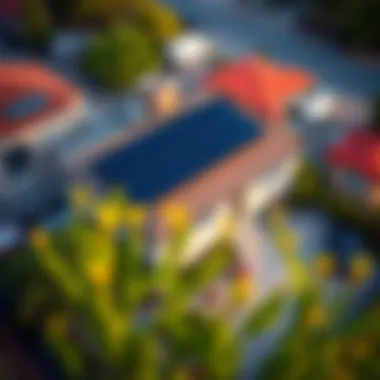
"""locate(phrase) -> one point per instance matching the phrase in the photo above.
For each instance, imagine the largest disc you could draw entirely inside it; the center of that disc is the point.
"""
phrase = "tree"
(36, 24)
(159, 22)
(109, 313)
(352, 22)
(119, 56)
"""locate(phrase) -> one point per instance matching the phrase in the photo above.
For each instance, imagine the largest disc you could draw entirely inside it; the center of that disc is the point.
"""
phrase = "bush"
(109, 313)
(117, 57)
(36, 25)
(159, 22)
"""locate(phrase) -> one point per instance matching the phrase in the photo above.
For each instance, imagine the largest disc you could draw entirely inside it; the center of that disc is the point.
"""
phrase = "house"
(355, 166)
(261, 86)
(37, 110)
(212, 158)
(36, 106)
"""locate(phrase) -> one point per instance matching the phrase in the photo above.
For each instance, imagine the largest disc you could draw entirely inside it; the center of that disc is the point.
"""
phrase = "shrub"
(118, 57)
(107, 310)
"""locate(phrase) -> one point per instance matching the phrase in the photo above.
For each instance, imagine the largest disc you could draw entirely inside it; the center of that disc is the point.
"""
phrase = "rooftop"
(178, 151)
(30, 95)
(260, 85)
(359, 152)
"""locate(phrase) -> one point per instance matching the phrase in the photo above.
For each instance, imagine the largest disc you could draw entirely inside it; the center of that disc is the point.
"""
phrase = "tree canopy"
(353, 22)
(117, 57)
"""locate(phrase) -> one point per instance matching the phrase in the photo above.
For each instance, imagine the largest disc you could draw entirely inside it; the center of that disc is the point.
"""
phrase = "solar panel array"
(178, 151)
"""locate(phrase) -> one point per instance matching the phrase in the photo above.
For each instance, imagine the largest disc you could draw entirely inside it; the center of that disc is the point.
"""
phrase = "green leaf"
(366, 324)
(266, 315)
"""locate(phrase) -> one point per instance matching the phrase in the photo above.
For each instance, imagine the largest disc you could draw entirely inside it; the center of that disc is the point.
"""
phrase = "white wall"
(260, 194)
(269, 187)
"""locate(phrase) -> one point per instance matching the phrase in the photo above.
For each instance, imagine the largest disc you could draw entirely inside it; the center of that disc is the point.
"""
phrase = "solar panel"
(178, 151)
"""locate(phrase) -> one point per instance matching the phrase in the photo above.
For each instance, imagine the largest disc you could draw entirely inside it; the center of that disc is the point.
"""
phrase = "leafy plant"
(324, 339)
(118, 57)
(109, 312)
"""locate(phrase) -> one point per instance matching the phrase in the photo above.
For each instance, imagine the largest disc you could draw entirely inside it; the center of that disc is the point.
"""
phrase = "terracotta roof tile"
(20, 80)
(260, 85)
(359, 152)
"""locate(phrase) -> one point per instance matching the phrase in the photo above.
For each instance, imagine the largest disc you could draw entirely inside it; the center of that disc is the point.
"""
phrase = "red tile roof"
(359, 152)
(18, 80)
(260, 85)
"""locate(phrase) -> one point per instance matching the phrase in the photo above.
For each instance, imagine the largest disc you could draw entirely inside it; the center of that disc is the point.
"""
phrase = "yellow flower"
(39, 238)
(316, 316)
(108, 216)
(80, 196)
(243, 289)
(57, 324)
(360, 268)
(99, 273)
(135, 216)
(176, 216)
(324, 265)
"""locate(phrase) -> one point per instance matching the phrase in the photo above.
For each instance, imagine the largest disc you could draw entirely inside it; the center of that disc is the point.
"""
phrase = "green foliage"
(159, 22)
(36, 23)
(268, 314)
(99, 299)
(353, 22)
(321, 341)
(119, 56)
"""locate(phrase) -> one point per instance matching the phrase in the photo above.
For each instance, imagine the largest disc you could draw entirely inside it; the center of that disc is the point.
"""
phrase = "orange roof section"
(260, 85)
(22, 79)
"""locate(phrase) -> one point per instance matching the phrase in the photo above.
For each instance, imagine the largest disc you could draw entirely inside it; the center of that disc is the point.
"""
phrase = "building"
(261, 86)
(355, 166)
(37, 110)
(36, 106)
(212, 158)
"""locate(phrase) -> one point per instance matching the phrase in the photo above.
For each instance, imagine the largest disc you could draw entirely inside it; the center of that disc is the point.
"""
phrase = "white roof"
(319, 104)
(189, 48)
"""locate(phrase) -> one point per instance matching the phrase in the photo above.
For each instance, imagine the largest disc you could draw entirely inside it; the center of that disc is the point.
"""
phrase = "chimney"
(162, 96)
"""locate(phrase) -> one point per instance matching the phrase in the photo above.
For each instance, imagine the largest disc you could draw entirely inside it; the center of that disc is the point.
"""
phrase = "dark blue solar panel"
(178, 151)
(26, 106)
